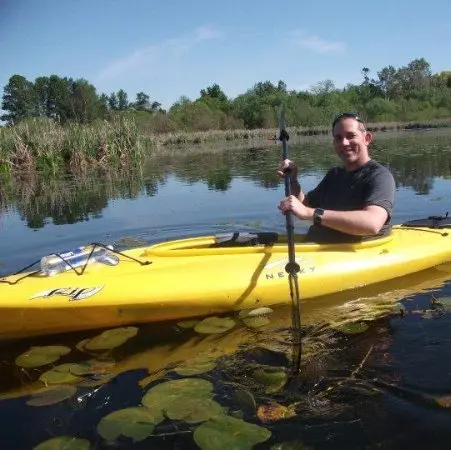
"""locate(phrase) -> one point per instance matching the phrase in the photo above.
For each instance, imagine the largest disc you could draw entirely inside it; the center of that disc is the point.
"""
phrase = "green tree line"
(408, 93)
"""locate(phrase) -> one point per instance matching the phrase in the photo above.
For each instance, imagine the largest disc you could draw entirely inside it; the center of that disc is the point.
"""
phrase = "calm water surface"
(386, 387)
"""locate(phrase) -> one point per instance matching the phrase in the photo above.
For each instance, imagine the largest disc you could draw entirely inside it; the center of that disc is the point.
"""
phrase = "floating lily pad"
(136, 423)
(225, 433)
(64, 443)
(162, 396)
(351, 327)
(186, 324)
(111, 338)
(274, 378)
(245, 400)
(215, 325)
(256, 322)
(274, 412)
(41, 356)
(52, 395)
(92, 367)
(197, 366)
(194, 410)
(445, 302)
(60, 374)
(257, 312)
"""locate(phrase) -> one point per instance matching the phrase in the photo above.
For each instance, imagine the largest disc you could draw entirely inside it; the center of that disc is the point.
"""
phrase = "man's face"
(351, 142)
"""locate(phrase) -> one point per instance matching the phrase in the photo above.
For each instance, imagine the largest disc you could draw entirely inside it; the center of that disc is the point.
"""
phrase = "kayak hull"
(194, 277)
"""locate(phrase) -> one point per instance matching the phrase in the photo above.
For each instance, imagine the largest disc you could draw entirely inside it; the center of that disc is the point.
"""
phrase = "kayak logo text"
(76, 293)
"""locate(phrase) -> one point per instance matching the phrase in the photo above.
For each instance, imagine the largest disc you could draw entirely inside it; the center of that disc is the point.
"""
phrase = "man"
(352, 202)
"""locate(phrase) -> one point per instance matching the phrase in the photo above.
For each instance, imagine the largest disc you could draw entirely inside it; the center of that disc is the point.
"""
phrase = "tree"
(84, 101)
(142, 102)
(19, 100)
(122, 101)
(112, 101)
(388, 82)
(366, 78)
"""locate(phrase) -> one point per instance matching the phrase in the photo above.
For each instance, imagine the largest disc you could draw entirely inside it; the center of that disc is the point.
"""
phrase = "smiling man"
(352, 202)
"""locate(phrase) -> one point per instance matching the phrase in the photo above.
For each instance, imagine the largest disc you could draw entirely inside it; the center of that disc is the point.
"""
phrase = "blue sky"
(170, 48)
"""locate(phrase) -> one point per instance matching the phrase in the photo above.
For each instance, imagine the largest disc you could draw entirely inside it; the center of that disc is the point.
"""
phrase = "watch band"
(318, 216)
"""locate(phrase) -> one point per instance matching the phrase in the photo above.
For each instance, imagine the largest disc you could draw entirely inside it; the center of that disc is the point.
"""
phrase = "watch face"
(317, 215)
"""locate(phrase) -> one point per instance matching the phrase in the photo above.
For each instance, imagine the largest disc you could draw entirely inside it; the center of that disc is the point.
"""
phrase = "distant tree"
(156, 106)
(281, 86)
(19, 100)
(103, 106)
(366, 78)
(388, 82)
(84, 101)
(112, 101)
(122, 101)
(142, 102)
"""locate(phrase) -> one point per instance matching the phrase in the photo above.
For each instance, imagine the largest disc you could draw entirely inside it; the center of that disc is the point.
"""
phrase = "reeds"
(42, 144)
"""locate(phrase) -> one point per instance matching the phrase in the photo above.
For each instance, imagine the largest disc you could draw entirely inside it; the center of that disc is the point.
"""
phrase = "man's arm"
(365, 222)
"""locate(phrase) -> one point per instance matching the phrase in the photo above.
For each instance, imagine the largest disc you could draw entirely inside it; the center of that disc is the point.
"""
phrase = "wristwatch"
(318, 216)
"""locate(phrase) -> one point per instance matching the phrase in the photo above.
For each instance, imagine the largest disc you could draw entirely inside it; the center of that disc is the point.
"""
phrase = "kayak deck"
(196, 276)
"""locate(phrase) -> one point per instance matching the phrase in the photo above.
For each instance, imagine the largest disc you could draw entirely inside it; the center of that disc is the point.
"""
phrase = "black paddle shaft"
(292, 267)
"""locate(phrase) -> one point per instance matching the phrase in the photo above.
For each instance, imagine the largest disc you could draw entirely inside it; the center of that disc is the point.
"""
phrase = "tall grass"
(42, 144)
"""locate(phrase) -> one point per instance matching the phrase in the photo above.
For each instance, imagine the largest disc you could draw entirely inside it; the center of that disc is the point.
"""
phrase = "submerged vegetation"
(54, 123)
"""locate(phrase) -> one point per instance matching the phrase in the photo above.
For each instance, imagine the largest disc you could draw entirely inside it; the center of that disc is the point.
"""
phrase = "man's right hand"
(288, 166)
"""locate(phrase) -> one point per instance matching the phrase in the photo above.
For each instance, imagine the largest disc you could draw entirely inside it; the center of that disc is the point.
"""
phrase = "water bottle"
(52, 264)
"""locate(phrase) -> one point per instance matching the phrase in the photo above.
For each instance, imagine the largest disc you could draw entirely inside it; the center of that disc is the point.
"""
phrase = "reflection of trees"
(219, 179)
(415, 161)
(38, 198)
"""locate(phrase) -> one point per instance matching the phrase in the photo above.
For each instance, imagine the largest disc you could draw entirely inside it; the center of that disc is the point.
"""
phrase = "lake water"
(386, 387)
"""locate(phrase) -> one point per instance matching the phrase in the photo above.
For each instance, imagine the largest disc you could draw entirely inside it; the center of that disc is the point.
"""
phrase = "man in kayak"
(352, 202)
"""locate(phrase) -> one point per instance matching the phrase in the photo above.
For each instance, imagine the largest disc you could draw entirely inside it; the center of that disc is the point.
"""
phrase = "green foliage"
(57, 121)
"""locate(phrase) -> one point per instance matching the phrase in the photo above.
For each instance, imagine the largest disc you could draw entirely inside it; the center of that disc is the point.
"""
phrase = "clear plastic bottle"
(52, 264)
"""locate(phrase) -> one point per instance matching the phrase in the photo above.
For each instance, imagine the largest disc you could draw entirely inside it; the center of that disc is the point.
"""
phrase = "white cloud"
(315, 43)
(141, 58)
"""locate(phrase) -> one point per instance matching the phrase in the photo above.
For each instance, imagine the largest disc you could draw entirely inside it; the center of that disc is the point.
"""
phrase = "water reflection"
(416, 161)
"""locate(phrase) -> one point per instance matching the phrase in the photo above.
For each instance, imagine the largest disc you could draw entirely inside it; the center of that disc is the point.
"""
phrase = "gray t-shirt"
(340, 190)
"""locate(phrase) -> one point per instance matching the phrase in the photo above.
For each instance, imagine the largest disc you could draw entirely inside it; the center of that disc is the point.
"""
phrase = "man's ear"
(368, 137)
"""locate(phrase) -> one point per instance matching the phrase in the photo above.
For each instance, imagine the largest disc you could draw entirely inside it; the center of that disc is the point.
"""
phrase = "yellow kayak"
(209, 275)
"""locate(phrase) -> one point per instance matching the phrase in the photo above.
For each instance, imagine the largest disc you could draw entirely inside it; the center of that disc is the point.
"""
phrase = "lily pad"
(351, 327)
(41, 356)
(194, 410)
(136, 423)
(225, 433)
(162, 396)
(197, 366)
(256, 322)
(53, 395)
(257, 312)
(245, 400)
(111, 338)
(64, 443)
(215, 325)
(92, 367)
(186, 324)
(59, 375)
(274, 378)
(445, 302)
(274, 412)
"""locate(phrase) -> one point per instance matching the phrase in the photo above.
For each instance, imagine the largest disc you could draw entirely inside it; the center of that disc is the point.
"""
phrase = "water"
(387, 387)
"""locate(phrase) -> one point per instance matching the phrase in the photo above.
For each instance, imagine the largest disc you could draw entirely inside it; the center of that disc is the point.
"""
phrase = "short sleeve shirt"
(342, 190)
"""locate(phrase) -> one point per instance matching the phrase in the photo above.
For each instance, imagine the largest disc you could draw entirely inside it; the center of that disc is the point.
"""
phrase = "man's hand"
(294, 205)
(287, 166)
